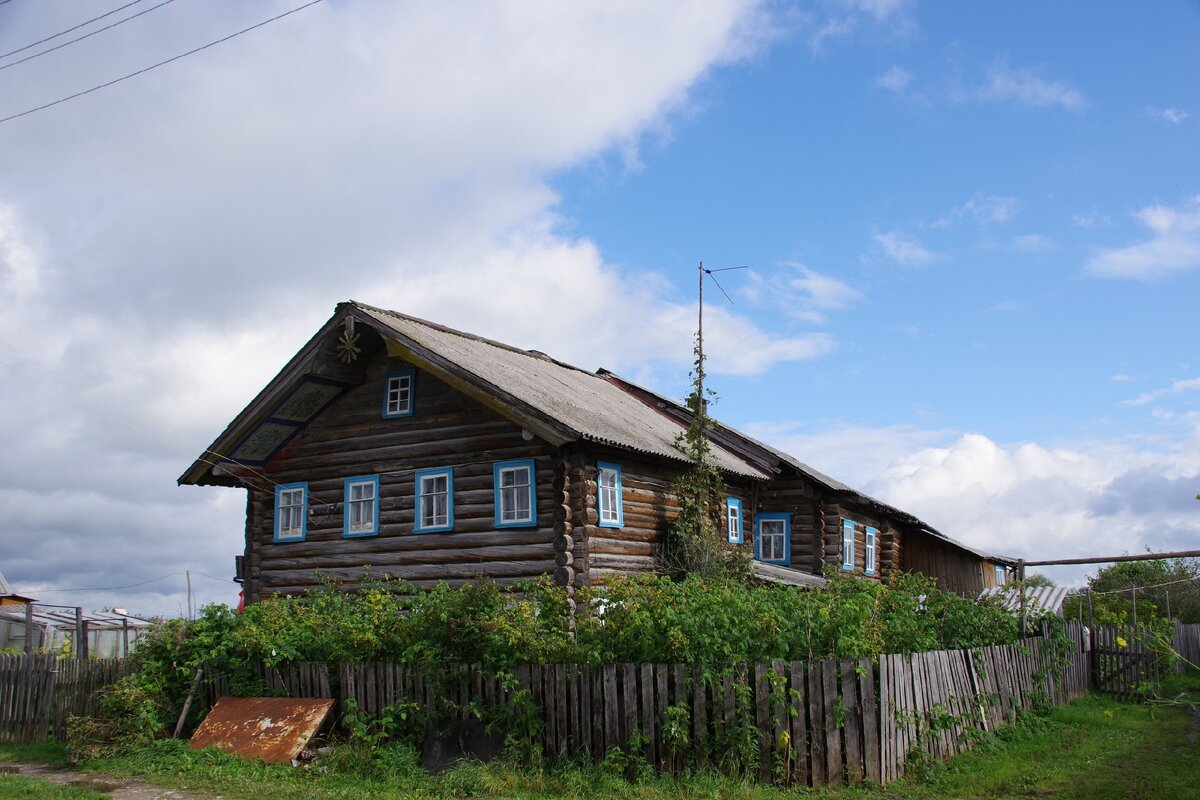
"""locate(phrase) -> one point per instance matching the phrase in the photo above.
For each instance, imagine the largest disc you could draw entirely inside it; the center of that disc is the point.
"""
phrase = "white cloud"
(1091, 220)
(1031, 243)
(800, 292)
(1024, 87)
(166, 244)
(1178, 387)
(1121, 377)
(1173, 246)
(1095, 497)
(1171, 115)
(896, 79)
(904, 249)
(990, 208)
(1031, 500)
(835, 19)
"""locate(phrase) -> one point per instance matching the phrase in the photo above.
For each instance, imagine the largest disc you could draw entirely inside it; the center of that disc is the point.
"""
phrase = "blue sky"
(973, 233)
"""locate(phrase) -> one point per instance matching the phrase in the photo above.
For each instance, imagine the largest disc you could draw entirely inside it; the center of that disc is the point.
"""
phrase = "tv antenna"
(700, 326)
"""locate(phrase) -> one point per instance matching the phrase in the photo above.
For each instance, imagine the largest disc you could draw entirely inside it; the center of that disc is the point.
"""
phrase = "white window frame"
(761, 537)
(848, 544)
(353, 506)
(291, 506)
(734, 522)
(421, 497)
(870, 549)
(609, 495)
(504, 496)
(401, 383)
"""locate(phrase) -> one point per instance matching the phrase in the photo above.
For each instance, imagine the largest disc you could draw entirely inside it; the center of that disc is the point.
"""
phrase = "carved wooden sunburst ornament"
(348, 348)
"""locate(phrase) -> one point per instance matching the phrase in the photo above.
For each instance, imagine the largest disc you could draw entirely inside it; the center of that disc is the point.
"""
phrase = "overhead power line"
(70, 42)
(159, 64)
(68, 30)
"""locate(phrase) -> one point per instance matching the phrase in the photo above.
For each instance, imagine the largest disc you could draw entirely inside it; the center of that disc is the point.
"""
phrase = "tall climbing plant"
(695, 543)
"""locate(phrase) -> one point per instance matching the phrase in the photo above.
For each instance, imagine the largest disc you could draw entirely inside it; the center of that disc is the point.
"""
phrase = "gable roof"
(554, 400)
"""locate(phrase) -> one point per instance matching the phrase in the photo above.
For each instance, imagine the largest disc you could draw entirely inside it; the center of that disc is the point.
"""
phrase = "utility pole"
(189, 585)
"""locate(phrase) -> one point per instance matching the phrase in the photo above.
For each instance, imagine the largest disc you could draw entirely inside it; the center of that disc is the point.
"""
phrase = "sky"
(972, 234)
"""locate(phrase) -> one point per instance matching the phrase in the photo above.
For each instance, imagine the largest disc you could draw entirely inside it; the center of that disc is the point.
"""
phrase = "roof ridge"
(537, 354)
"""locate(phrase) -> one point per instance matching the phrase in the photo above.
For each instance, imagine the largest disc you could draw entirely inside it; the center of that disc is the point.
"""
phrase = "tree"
(1159, 584)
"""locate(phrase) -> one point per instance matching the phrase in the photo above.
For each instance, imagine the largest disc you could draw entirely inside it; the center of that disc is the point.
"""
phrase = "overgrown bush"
(132, 713)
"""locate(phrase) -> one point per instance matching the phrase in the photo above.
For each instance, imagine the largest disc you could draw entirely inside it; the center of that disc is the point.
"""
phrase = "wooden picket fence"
(39, 692)
(27, 686)
(804, 723)
(1124, 663)
(812, 724)
(1186, 642)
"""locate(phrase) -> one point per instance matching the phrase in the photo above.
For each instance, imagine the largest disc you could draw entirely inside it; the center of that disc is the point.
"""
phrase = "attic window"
(733, 520)
(291, 507)
(515, 495)
(869, 549)
(434, 512)
(398, 394)
(848, 544)
(361, 506)
(608, 495)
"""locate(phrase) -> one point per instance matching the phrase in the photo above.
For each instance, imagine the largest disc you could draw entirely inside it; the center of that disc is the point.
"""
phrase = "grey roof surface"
(1046, 598)
(593, 407)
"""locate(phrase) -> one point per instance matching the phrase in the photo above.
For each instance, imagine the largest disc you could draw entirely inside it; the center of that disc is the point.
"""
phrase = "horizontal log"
(622, 562)
(529, 569)
(475, 555)
(417, 543)
(603, 546)
(564, 559)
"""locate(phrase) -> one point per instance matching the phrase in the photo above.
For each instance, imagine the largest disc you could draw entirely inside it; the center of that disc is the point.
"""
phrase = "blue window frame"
(291, 512)
(398, 393)
(360, 506)
(1001, 575)
(848, 544)
(609, 503)
(433, 510)
(515, 493)
(773, 538)
(733, 520)
(869, 548)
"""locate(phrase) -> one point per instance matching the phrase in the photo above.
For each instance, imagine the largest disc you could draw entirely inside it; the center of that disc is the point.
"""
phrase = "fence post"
(29, 629)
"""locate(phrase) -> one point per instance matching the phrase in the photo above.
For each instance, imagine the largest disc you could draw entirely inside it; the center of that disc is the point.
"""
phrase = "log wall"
(350, 438)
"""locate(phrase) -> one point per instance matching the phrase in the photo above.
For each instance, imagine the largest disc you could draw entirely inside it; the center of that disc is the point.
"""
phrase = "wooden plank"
(834, 760)
(679, 699)
(649, 729)
(798, 691)
(629, 704)
(562, 714)
(612, 722)
(852, 729)
(870, 721)
(816, 724)
(584, 689)
(665, 762)
(762, 721)
(699, 716)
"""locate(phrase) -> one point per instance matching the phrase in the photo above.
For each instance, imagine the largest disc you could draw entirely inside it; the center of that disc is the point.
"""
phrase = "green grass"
(1095, 748)
(18, 787)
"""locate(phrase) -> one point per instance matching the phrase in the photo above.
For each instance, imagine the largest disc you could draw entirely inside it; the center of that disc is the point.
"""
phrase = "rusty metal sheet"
(274, 729)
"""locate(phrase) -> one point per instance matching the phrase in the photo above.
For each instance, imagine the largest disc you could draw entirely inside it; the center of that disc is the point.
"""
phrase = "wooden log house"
(406, 449)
